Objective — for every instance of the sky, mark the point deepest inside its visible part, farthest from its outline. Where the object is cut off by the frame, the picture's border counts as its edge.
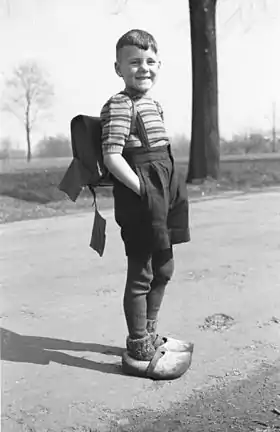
(74, 42)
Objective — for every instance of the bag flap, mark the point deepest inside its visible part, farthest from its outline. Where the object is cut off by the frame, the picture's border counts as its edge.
(86, 140)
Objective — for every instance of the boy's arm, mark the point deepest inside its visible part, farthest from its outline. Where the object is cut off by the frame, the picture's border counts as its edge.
(116, 125)
(120, 169)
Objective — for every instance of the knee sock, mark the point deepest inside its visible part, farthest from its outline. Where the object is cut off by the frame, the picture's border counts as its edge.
(139, 277)
(163, 267)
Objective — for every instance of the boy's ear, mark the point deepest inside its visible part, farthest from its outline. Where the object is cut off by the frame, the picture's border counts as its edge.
(117, 69)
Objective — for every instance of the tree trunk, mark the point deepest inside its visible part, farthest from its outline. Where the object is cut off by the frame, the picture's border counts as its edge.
(205, 146)
(28, 145)
(28, 133)
(27, 129)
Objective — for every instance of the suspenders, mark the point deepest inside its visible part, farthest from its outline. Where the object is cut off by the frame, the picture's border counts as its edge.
(138, 124)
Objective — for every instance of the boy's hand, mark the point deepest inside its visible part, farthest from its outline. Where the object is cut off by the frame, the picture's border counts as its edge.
(120, 169)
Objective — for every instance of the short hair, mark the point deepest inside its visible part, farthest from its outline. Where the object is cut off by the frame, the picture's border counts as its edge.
(139, 38)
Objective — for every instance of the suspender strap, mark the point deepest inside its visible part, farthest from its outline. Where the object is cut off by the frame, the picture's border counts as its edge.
(141, 130)
(133, 118)
(137, 123)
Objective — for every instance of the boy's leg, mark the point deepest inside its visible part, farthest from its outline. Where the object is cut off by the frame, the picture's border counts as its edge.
(138, 285)
(163, 268)
(139, 277)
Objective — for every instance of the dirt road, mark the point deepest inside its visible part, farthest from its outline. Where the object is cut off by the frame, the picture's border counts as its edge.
(63, 327)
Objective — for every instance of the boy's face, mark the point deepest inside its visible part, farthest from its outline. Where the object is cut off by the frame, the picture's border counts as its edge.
(137, 67)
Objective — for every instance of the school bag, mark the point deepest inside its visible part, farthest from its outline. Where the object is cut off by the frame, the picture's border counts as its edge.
(87, 167)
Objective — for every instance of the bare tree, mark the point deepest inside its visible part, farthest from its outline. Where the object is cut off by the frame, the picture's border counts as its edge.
(27, 95)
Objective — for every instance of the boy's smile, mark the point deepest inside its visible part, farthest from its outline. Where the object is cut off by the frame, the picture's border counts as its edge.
(137, 67)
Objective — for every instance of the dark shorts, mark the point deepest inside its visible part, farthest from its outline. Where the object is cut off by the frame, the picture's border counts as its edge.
(159, 217)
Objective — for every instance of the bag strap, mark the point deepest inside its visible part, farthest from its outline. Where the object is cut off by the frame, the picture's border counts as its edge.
(159, 108)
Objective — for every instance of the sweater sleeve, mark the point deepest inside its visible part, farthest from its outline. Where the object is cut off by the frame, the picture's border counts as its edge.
(115, 123)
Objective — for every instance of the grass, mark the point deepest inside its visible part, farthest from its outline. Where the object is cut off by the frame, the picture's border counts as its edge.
(31, 191)
(14, 165)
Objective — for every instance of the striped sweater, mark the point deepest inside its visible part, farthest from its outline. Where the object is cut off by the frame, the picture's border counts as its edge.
(116, 117)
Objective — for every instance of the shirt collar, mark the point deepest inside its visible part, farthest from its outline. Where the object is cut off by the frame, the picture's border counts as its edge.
(133, 94)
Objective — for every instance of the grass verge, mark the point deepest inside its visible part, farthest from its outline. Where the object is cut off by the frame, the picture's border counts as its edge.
(33, 193)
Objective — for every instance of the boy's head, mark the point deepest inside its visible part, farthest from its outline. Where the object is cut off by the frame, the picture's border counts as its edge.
(137, 60)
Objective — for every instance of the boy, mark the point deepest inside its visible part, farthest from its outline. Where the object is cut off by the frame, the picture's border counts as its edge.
(151, 206)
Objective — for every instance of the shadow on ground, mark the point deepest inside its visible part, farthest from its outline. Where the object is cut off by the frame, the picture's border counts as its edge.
(251, 404)
(41, 350)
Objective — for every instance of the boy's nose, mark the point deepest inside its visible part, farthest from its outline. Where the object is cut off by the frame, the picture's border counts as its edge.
(144, 66)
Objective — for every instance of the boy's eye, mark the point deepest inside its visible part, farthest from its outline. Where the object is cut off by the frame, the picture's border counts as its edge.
(150, 62)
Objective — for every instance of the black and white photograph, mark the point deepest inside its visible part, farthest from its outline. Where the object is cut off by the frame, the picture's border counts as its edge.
(140, 215)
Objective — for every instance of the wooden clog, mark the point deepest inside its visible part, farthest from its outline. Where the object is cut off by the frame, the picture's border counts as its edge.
(165, 365)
